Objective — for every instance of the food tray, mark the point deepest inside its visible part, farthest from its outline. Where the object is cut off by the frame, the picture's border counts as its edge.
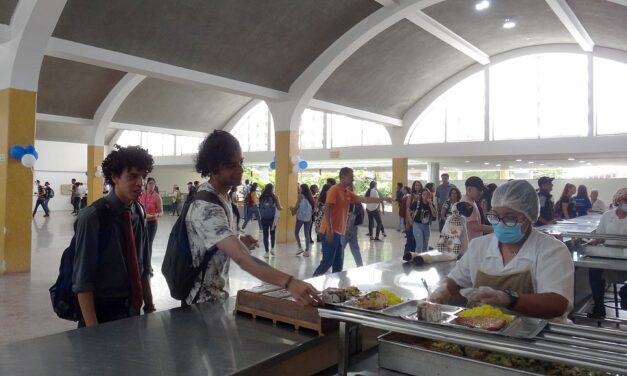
(353, 304)
(410, 307)
(519, 327)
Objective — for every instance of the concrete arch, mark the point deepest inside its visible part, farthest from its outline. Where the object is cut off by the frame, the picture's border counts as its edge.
(230, 125)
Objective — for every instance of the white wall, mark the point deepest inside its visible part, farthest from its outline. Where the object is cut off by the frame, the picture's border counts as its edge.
(167, 176)
(58, 163)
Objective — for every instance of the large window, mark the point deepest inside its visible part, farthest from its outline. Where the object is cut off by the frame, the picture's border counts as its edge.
(346, 131)
(312, 130)
(255, 131)
(610, 82)
(160, 144)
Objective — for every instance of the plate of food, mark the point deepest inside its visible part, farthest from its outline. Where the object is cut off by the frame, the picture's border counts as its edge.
(374, 301)
(431, 312)
(337, 295)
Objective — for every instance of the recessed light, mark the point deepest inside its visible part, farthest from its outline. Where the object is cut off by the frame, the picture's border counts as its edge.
(481, 5)
(589, 164)
(519, 160)
(541, 164)
(582, 161)
(466, 161)
(571, 159)
(531, 162)
(509, 24)
(498, 165)
(486, 163)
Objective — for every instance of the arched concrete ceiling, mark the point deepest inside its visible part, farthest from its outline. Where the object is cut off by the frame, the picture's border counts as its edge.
(7, 7)
(606, 22)
(68, 88)
(268, 43)
(167, 104)
(535, 23)
(392, 71)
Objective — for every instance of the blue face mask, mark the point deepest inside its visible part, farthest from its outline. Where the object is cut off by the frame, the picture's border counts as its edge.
(508, 235)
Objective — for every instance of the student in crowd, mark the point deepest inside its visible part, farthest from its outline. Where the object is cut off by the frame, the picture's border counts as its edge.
(374, 213)
(245, 191)
(399, 200)
(41, 199)
(208, 224)
(474, 191)
(486, 199)
(234, 200)
(191, 191)
(269, 208)
(582, 202)
(321, 209)
(314, 193)
(49, 195)
(252, 204)
(566, 205)
(442, 195)
(612, 222)
(416, 190)
(72, 196)
(303, 212)
(176, 197)
(598, 206)
(405, 208)
(430, 187)
(424, 214)
(114, 283)
(333, 224)
(81, 190)
(153, 206)
(355, 218)
(454, 195)
(547, 211)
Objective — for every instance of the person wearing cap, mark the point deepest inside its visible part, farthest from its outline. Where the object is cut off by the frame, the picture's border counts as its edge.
(517, 268)
(474, 190)
(547, 214)
(612, 222)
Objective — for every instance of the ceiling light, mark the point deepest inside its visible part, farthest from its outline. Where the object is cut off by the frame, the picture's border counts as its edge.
(466, 161)
(481, 5)
(509, 24)
(541, 164)
(498, 165)
(582, 161)
(519, 160)
(511, 166)
(531, 162)
(589, 164)
(486, 163)
(571, 159)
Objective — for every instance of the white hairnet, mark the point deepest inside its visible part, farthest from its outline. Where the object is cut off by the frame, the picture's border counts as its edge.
(520, 196)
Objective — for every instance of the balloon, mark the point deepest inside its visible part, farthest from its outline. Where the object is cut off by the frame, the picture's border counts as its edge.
(295, 159)
(35, 154)
(295, 169)
(17, 152)
(99, 168)
(28, 160)
(98, 174)
(303, 165)
(273, 165)
(29, 149)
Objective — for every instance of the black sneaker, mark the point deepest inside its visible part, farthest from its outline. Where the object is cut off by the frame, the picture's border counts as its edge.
(597, 313)
(623, 297)
(383, 233)
(418, 260)
(407, 257)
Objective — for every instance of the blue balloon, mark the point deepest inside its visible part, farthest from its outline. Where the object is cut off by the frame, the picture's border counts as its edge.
(29, 149)
(35, 154)
(303, 165)
(272, 165)
(17, 152)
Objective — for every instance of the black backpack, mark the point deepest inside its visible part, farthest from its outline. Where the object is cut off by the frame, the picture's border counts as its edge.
(177, 267)
(50, 193)
(64, 300)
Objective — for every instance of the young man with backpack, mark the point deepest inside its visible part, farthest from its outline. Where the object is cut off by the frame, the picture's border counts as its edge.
(210, 226)
(41, 200)
(269, 207)
(49, 195)
(111, 269)
(356, 215)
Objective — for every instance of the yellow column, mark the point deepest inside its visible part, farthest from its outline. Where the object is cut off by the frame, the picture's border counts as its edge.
(286, 146)
(400, 168)
(504, 174)
(95, 155)
(17, 127)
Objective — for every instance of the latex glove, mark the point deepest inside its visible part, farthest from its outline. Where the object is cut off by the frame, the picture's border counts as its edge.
(486, 295)
(440, 295)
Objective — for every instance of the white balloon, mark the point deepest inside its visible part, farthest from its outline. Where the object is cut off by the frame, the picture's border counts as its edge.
(295, 169)
(295, 159)
(99, 168)
(28, 160)
(98, 173)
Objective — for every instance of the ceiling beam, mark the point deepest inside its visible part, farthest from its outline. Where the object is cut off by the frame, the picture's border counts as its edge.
(147, 128)
(572, 23)
(620, 2)
(354, 112)
(58, 119)
(83, 53)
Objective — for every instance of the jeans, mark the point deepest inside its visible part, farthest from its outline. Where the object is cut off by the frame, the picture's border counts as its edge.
(300, 224)
(410, 243)
(110, 309)
(76, 201)
(401, 223)
(236, 214)
(332, 255)
(175, 208)
(372, 217)
(268, 231)
(351, 240)
(421, 236)
(41, 202)
(151, 228)
(597, 285)
(253, 211)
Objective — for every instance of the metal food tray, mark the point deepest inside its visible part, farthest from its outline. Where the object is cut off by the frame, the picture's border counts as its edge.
(410, 307)
(519, 327)
(605, 252)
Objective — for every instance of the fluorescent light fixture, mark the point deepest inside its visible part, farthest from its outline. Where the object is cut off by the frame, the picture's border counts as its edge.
(486, 163)
(509, 24)
(498, 165)
(589, 164)
(531, 162)
(571, 159)
(466, 161)
(582, 161)
(481, 5)
(519, 160)
(541, 164)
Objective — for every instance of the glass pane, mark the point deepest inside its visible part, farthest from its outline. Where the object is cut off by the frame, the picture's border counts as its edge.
(187, 145)
(563, 95)
(312, 130)
(168, 144)
(154, 142)
(429, 127)
(345, 131)
(465, 110)
(258, 129)
(375, 134)
(129, 138)
(610, 82)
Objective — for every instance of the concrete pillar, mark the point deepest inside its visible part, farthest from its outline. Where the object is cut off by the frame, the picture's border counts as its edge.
(503, 174)
(95, 156)
(433, 170)
(17, 127)
(400, 168)
(286, 147)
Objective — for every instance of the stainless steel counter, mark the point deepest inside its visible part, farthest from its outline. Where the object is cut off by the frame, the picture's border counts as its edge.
(584, 224)
(201, 340)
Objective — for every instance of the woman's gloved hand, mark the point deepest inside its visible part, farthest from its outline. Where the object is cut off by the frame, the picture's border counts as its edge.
(440, 295)
(486, 295)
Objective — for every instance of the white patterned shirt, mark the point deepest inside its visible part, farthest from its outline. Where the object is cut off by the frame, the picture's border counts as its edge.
(208, 224)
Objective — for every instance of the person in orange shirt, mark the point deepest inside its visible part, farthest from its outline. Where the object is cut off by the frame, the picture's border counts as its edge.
(333, 225)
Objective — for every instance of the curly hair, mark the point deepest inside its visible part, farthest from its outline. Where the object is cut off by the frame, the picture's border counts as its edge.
(217, 149)
(121, 159)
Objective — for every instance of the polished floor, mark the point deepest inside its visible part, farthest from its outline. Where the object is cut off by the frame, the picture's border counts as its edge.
(25, 310)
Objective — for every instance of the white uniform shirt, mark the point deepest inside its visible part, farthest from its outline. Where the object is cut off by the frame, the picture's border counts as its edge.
(611, 224)
(373, 207)
(548, 260)
(598, 206)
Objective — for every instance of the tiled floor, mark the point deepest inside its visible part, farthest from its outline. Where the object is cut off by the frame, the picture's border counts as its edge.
(25, 310)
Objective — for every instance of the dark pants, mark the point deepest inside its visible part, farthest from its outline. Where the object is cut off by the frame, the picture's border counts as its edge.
(83, 202)
(253, 211)
(42, 202)
(236, 214)
(410, 243)
(307, 232)
(175, 208)
(268, 232)
(332, 255)
(76, 201)
(597, 285)
(110, 309)
(151, 228)
(372, 217)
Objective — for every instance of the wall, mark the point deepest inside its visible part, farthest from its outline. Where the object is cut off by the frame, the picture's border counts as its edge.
(58, 163)
(167, 176)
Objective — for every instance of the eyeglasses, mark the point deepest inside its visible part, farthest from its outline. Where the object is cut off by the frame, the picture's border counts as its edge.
(509, 220)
